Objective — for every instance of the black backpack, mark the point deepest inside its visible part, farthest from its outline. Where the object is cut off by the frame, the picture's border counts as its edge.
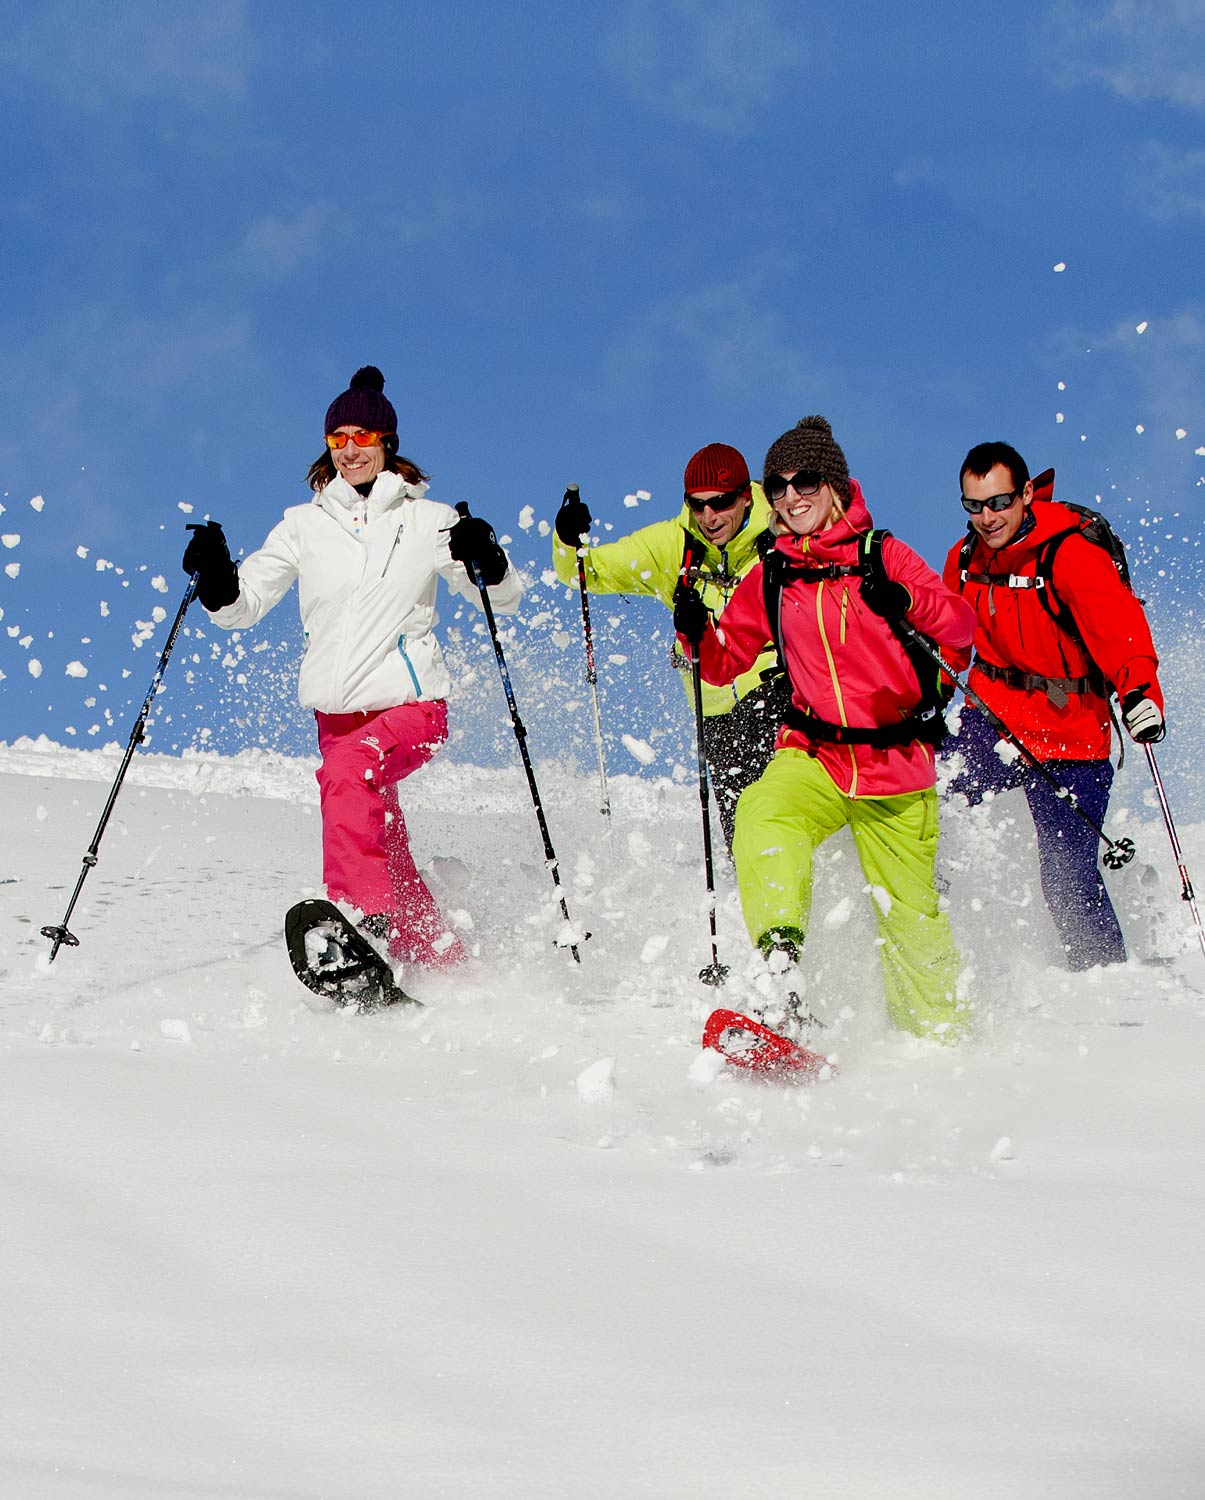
(926, 722)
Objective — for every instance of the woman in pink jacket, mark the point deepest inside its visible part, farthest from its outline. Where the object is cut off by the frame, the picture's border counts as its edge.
(857, 747)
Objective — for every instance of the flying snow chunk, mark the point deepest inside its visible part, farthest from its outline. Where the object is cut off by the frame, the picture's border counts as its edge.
(597, 1082)
(81, 552)
(1062, 266)
(654, 948)
(159, 583)
(1058, 416)
(527, 518)
(1142, 327)
(175, 1031)
(12, 569)
(838, 915)
(37, 502)
(639, 750)
(631, 501)
(184, 506)
(543, 528)
(643, 495)
(11, 539)
(35, 667)
(1002, 1150)
(1139, 427)
(1180, 433)
(76, 669)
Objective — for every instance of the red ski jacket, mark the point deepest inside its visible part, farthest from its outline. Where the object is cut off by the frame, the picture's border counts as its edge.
(1068, 717)
(845, 663)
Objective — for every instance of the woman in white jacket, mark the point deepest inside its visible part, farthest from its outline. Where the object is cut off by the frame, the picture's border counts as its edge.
(367, 554)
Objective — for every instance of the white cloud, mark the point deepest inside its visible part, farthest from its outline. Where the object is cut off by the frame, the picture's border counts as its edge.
(91, 52)
(1168, 184)
(708, 63)
(730, 331)
(1140, 49)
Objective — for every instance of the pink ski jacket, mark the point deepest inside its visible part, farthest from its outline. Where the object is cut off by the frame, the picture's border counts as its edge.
(844, 662)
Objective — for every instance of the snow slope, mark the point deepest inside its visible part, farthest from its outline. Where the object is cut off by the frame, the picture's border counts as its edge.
(259, 1249)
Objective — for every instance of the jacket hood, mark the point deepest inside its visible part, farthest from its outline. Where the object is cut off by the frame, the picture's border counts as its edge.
(831, 545)
(744, 544)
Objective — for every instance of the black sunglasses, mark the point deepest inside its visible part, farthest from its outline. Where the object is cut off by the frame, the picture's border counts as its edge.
(717, 502)
(993, 502)
(806, 482)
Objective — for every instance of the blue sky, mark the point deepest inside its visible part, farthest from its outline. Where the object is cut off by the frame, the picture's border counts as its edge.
(580, 243)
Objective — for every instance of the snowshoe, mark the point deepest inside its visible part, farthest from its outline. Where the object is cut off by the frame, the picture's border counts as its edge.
(333, 958)
(748, 1044)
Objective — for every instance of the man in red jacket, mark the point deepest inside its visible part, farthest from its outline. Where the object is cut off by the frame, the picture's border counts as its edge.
(1058, 632)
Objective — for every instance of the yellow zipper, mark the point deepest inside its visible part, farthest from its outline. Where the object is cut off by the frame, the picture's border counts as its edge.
(832, 672)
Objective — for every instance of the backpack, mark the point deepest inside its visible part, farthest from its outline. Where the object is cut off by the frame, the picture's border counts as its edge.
(926, 722)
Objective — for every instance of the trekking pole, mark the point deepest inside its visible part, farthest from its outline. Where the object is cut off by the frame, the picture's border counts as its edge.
(62, 935)
(1118, 852)
(1186, 890)
(462, 509)
(571, 491)
(715, 972)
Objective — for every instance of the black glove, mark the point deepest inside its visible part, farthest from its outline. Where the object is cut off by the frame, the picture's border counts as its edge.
(208, 556)
(573, 519)
(887, 598)
(691, 616)
(472, 542)
(1142, 718)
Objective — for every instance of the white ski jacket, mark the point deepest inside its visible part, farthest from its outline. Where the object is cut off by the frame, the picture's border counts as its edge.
(366, 571)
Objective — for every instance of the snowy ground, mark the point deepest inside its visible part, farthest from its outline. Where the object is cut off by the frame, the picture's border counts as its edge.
(255, 1248)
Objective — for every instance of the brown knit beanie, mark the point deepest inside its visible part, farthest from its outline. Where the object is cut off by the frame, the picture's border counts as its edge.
(810, 446)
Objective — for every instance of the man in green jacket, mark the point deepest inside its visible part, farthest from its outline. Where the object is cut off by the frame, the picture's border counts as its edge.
(712, 545)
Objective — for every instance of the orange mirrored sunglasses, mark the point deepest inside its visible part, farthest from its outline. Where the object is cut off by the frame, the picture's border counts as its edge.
(337, 440)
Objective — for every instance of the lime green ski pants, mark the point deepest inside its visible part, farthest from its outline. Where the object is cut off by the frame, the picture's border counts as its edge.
(785, 816)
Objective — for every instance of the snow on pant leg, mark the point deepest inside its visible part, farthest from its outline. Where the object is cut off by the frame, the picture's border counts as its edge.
(897, 845)
(738, 746)
(355, 866)
(780, 821)
(1067, 854)
(982, 770)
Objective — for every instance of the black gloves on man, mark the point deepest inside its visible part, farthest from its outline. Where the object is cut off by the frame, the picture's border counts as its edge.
(691, 616)
(472, 542)
(208, 556)
(573, 519)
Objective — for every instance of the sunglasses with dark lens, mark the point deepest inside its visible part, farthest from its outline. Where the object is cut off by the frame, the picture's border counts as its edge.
(804, 483)
(717, 502)
(337, 440)
(993, 502)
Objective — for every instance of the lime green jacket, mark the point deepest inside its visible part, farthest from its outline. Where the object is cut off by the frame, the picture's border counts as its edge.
(649, 561)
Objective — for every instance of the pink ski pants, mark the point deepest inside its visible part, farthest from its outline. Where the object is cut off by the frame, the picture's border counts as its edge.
(366, 858)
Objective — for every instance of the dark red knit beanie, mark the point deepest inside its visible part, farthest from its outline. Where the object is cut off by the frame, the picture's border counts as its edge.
(716, 467)
(363, 404)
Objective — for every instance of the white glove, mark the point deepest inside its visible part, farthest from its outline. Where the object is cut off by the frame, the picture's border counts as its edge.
(1141, 718)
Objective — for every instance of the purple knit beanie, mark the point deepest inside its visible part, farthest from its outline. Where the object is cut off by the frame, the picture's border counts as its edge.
(363, 404)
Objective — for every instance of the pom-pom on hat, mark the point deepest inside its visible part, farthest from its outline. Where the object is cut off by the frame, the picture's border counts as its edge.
(810, 446)
(363, 404)
(716, 467)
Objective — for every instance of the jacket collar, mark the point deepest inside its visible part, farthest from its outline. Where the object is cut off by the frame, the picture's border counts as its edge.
(388, 490)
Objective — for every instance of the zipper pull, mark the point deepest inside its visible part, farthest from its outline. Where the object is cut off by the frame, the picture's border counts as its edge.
(397, 538)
